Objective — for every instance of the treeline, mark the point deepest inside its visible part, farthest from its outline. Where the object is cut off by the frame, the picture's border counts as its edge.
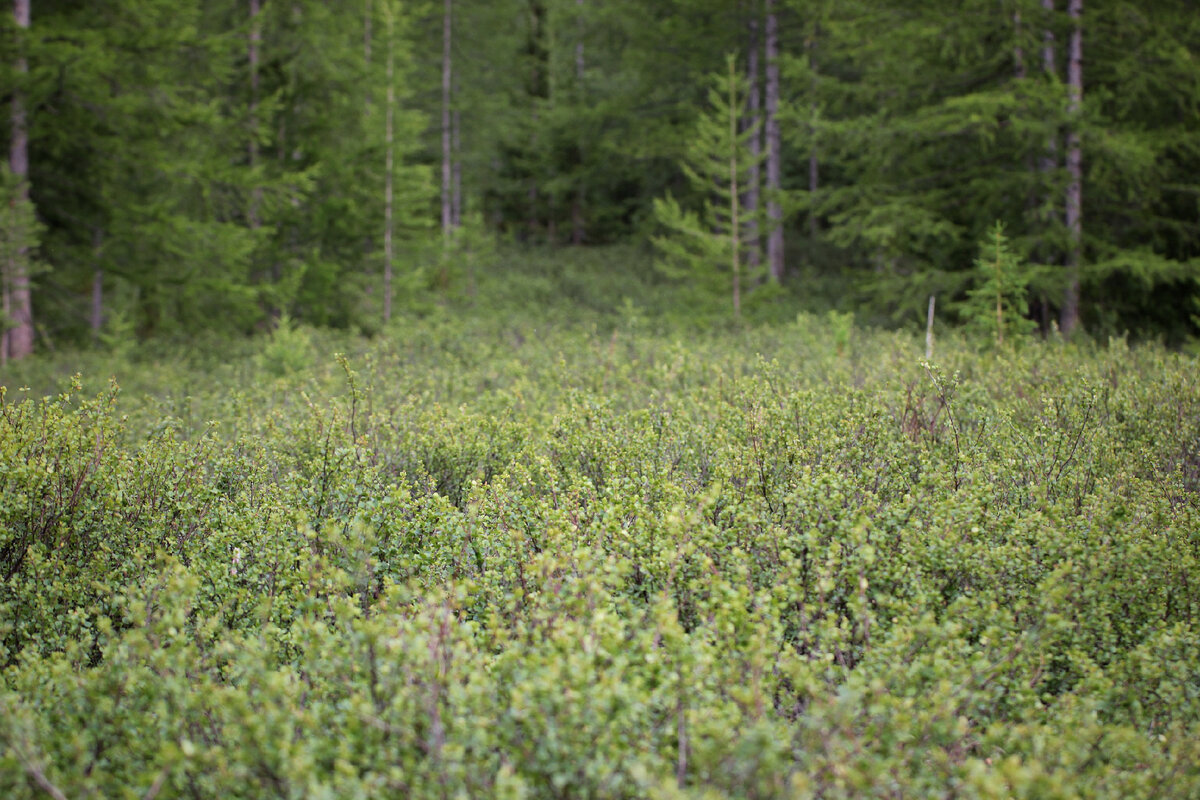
(183, 164)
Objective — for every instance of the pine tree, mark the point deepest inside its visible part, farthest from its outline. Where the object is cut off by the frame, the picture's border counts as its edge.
(998, 301)
(700, 244)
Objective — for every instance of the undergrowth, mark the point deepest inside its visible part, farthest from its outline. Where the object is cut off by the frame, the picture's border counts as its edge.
(504, 558)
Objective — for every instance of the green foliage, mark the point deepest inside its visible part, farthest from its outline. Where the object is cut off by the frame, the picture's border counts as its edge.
(998, 301)
(288, 349)
(708, 247)
(472, 558)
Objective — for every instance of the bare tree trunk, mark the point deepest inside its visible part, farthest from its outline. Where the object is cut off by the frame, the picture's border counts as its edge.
(367, 38)
(814, 165)
(577, 219)
(388, 140)
(1070, 310)
(5, 310)
(1049, 161)
(579, 44)
(1018, 51)
(929, 328)
(539, 90)
(447, 153)
(97, 285)
(754, 110)
(19, 338)
(252, 55)
(774, 149)
(456, 181)
(735, 239)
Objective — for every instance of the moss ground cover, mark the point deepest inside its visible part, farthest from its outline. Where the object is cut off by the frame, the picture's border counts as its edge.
(487, 559)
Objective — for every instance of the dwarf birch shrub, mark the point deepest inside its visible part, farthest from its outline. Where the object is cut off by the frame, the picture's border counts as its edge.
(461, 562)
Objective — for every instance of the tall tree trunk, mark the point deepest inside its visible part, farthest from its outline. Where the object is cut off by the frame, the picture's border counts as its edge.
(539, 90)
(447, 152)
(367, 39)
(1018, 50)
(1048, 163)
(814, 164)
(368, 20)
(577, 218)
(1074, 200)
(388, 141)
(735, 239)
(456, 180)
(252, 56)
(97, 285)
(754, 123)
(19, 339)
(5, 310)
(774, 149)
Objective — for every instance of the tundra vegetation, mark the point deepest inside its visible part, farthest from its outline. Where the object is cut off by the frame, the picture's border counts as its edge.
(596, 553)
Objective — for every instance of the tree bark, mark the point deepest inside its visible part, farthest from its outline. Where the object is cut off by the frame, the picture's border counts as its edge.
(577, 217)
(20, 311)
(388, 140)
(456, 180)
(579, 64)
(18, 341)
(447, 152)
(735, 239)
(539, 90)
(5, 310)
(1049, 161)
(367, 39)
(252, 56)
(1074, 200)
(774, 148)
(754, 123)
(1018, 50)
(97, 285)
(814, 164)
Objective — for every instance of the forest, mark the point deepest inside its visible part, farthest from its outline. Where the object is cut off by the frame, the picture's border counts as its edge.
(180, 165)
(631, 399)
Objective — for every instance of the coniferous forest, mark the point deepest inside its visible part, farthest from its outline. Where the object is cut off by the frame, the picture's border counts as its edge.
(181, 166)
(600, 399)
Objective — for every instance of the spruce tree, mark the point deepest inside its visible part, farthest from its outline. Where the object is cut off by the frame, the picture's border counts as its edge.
(700, 244)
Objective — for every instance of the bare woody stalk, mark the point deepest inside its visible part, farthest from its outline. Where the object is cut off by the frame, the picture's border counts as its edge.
(17, 341)
(929, 328)
(577, 220)
(447, 152)
(1074, 199)
(735, 239)
(814, 164)
(456, 181)
(1018, 50)
(753, 108)
(97, 284)
(388, 140)
(367, 43)
(252, 149)
(774, 148)
(1049, 160)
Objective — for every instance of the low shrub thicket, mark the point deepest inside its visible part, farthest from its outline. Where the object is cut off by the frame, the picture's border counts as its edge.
(473, 561)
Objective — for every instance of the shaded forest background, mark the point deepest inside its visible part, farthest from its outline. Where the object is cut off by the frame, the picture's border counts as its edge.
(184, 165)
